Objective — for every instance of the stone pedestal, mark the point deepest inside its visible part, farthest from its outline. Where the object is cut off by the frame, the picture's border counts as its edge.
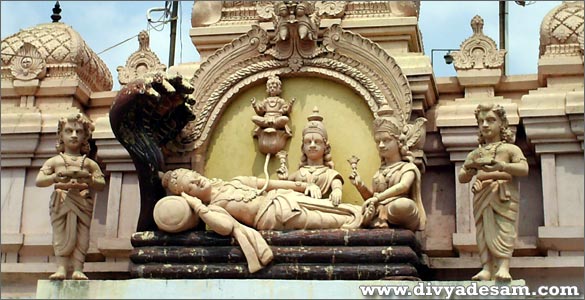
(358, 254)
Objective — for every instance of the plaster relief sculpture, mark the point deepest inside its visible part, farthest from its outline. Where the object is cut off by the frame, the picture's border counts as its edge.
(395, 197)
(494, 164)
(316, 165)
(141, 62)
(28, 63)
(272, 112)
(71, 207)
(237, 207)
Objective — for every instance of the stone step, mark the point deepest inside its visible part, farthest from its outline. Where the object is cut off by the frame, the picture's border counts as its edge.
(282, 254)
(275, 271)
(322, 237)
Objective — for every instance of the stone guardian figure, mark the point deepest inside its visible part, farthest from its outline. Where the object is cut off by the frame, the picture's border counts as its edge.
(495, 163)
(71, 206)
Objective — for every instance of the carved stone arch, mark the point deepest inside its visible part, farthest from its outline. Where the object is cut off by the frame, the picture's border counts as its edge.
(344, 57)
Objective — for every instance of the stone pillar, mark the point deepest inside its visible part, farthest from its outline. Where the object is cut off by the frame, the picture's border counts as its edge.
(553, 118)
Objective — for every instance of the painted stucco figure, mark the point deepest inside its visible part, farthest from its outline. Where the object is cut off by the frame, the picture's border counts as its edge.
(316, 164)
(395, 197)
(238, 208)
(495, 163)
(272, 112)
(73, 174)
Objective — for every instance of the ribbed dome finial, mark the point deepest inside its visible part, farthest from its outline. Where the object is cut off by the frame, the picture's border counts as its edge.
(56, 13)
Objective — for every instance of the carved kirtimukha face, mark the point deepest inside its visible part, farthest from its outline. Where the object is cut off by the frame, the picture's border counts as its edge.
(387, 144)
(72, 135)
(313, 146)
(489, 125)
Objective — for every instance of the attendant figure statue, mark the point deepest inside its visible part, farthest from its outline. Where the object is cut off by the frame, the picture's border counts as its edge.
(316, 165)
(71, 206)
(237, 207)
(273, 110)
(308, 21)
(495, 163)
(396, 195)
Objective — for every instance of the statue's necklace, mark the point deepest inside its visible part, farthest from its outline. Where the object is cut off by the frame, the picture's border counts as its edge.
(67, 157)
(490, 150)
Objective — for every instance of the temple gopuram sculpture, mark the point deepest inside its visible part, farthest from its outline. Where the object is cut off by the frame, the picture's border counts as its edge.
(316, 165)
(395, 197)
(495, 164)
(272, 118)
(73, 174)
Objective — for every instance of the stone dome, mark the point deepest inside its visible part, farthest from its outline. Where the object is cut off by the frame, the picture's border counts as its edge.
(63, 51)
(561, 30)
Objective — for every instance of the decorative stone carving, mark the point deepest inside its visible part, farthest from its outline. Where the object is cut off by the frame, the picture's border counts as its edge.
(65, 54)
(71, 207)
(140, 62)
(335, 9)
(215, 13)
(561, 30)
(296, 28)
(28, 63)
(366, 9)
(495, 163)
(377, 77)
(316, 164)
(478, 51)
(237, 207)
(272, 119)
(395, 197)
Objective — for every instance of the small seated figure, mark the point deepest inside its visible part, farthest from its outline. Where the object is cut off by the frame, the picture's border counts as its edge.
(307, 21)
(273, 110)
(316, 165)
(396, 195)
(281, 20)
(71, 207)
(495, 163)
(238, 208)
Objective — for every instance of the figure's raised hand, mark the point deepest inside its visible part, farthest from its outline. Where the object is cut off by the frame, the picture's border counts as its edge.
(356, 179)
(313, 191)
(282, 172)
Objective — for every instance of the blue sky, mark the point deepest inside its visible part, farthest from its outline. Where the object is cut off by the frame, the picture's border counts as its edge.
(444, 25)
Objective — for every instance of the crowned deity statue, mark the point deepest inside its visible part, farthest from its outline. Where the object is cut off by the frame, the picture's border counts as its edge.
(395, 197)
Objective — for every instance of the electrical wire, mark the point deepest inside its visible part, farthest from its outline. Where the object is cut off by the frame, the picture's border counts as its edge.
(181, 32)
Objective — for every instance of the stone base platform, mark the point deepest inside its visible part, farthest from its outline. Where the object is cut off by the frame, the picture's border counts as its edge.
(263, 289)
(336, 254)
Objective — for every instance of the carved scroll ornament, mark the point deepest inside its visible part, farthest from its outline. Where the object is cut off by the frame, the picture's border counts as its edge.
(478, 51)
